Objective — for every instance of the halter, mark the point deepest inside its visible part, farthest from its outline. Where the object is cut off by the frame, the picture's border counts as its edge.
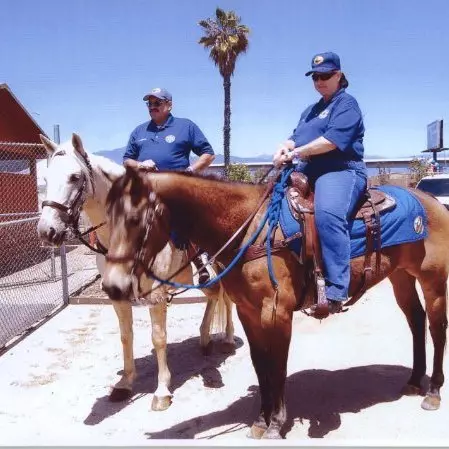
(139, 265)
(72, 212)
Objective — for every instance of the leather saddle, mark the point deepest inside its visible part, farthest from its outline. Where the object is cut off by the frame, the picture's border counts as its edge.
(301, 202)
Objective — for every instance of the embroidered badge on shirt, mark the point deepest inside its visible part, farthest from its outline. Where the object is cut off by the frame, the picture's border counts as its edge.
(170, 139)
(418, 225)
(324, 114)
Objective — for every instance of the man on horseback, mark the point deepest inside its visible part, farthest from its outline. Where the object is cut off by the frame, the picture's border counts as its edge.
(165, 143)
(328, 142)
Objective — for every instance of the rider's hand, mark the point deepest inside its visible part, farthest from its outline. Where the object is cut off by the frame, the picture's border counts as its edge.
(282, 156)
(147, 165)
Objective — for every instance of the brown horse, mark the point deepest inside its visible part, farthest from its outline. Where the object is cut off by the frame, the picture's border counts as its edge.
(209, 212)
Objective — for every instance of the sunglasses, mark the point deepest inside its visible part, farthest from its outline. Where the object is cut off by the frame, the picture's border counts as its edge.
(323, 76)
(154, 104)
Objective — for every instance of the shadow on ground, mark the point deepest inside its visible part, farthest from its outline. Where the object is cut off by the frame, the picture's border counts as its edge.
(185, 360)
(319, 396)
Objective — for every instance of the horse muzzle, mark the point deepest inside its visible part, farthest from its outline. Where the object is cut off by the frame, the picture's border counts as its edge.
(117, 290)
(50, 234)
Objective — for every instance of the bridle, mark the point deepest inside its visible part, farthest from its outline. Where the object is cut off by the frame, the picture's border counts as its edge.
(71, 212)
(139, 266)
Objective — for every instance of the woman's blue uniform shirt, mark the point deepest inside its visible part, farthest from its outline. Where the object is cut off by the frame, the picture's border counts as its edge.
(339, 121)
(169, 145)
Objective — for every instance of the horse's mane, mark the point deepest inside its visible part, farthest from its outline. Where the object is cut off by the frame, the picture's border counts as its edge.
(100, 165)
(209, 176)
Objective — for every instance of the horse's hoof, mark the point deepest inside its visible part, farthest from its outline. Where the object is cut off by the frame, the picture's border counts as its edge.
(207, 350)
(272, 434)
(120, 394)
(256, 432)
(411, 390)
(159, 404)
(431, 402)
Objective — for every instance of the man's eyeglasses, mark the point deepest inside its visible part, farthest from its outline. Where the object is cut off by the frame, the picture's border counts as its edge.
(154, 104)
(323, 76)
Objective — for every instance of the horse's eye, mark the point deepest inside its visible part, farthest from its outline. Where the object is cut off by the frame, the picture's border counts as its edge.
(74, 178)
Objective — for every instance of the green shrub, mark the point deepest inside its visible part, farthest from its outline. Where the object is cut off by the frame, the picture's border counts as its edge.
(239, 172)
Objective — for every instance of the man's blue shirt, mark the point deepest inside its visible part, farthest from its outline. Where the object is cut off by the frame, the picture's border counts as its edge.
(340, 121)
(168, 145)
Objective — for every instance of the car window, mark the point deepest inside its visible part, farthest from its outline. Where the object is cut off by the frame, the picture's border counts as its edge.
(437, 187)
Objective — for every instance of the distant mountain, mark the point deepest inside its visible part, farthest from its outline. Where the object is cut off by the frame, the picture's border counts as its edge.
(117, 156)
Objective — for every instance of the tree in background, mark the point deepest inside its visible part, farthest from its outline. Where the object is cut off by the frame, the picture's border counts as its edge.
(418, 168)
(239, 172)
(226, 38)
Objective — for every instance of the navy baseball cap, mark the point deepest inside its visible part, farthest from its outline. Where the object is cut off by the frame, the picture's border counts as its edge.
(324, 62)
(158, 92)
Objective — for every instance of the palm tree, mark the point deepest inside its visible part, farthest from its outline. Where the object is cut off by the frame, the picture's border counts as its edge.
(226, 38)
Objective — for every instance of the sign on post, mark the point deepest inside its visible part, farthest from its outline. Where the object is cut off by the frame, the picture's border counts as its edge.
(435, 135)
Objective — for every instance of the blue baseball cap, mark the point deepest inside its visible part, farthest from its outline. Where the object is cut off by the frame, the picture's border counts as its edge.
(324, 62)
(158, 92)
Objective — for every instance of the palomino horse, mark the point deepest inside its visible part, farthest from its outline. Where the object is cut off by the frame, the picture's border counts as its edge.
(210, 211)
(75, 180)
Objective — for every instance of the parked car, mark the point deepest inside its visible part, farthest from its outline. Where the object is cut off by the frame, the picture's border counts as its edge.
(438, 186)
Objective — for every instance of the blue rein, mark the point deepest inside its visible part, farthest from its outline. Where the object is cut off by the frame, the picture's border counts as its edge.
(271, 215)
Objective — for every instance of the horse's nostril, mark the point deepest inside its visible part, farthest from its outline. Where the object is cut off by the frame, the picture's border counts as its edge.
(51, 233)
(112, 291)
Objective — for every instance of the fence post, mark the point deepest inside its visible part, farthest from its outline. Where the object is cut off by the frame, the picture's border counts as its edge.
(63, 254)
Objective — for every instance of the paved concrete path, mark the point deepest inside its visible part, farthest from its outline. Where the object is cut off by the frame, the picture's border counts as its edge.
(344, 378)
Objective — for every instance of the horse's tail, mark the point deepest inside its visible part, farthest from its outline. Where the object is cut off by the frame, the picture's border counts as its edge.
(219, 320)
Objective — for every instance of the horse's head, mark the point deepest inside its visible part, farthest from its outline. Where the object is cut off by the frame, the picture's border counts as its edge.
(139, 226)
(69, 181)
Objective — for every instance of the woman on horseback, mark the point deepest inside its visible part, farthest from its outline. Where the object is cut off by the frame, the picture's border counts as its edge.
(328, 142)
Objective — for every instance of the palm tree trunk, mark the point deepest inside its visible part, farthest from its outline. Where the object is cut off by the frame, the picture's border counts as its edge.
(227, 123)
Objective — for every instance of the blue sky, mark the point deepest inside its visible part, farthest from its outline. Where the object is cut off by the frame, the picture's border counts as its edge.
(86, 65)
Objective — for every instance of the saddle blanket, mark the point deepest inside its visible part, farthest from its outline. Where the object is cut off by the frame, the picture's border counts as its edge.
(406, 222)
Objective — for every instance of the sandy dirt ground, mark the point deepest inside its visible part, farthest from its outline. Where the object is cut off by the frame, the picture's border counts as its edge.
(343, 385)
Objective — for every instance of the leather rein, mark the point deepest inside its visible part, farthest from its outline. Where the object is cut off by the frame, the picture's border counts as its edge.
(140, 266)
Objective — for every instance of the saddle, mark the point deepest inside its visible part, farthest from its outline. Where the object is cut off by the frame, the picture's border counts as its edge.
(301, 203)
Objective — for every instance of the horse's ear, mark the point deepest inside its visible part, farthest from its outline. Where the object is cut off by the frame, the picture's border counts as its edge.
(78, 145)
(132, 172)
(49, 145)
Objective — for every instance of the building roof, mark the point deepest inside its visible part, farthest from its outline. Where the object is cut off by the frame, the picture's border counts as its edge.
(16, 124)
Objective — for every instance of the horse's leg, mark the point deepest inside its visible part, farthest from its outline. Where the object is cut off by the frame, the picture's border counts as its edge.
(229, 342)
(404, 287)
(435, 294)
(269, 351)
(123, 388)
(205, 342)
(162, 396)
(101, 262)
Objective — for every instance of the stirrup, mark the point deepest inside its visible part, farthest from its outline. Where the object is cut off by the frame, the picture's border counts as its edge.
(324, 309)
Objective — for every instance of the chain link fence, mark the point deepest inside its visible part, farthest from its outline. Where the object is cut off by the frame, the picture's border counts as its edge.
(35, 279)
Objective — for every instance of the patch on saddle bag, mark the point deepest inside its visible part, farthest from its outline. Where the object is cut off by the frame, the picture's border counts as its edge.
(405, 223)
